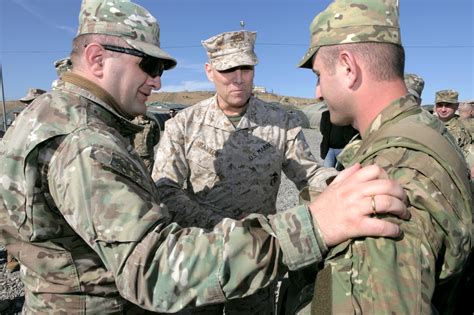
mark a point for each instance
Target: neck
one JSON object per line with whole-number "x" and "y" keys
{"x": 373, "y": 99}
{"x": 231, "y": 110}
{"x": 86, "y": 83}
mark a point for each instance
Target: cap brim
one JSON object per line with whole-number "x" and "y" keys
{"x": 233, "y": 60}
{"x": 307, "y": 60}
{"x": 26, "y": 99}
{"x": 446, "y": 101}
{"x": 154, "y": 51}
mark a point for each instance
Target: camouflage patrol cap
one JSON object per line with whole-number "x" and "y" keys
{"x": 62, "y": 65}
{"x": 353, "y": 21}
{"x": 127, "y": 20}
{"x": 415, "y": 84}
{"x": 231, "y": 49}
{"x": 31, "y": 95}
{"x": 447, "y": 96}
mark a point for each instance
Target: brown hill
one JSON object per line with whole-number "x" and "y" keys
{"x": 183, "y": 98}
{"x": 190, "y": 98}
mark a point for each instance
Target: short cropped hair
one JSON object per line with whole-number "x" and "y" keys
{"x": 386, "y": 61}
{"x": 81, "y": 41}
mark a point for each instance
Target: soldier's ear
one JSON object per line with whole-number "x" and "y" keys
{"x": 348, "y": 66}
{"x": 209, "y": 73}
{"x": 94, "y": 56}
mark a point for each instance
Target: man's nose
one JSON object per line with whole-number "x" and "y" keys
{"x": 319, "y": 96}
{"x": 238, "y": 76}
{"x": 155, "y": 82}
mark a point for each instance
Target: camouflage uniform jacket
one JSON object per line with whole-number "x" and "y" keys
{"x": 80, "y": 212}
{"x": 380, "y": 275}
{"x": 145, "y": 141}
{"x": 459, "y": 131}
{"x": 229, "y": 171}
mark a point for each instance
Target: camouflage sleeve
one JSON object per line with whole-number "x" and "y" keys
{"x": 300, "y": 166}
{"x": 100, "y": 191}
{"x": 400, "y": 276}
{"x": 170, "y": 174}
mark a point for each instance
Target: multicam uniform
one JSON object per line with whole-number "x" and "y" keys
{"x": 231, "y": 171}
{"x": 469, "y": 149}
{"x": 80, "y": 212}
{"x": 145, "y": 141}
{"x": 379, "y": 275}
{"x": 459, "y": 131}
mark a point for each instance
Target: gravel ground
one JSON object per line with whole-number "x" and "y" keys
{"x": 288, "y": 194}
{"x": 11, "y": 289}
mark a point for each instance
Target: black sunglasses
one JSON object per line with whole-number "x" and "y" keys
{"x": 152, "y": 66}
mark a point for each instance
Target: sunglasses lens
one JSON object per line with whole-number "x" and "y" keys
{"x": 152, "y": 66}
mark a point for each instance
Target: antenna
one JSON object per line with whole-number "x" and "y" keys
{"x": 242, "y": 25}
{"x": 3, "y": 101}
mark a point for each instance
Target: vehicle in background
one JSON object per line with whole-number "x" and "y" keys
{"x": 162, "y": 111}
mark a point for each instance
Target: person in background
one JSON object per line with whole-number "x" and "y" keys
{"x": 466, "y": 115}
{"x": 145, "y": 140}
{"x": 12, "y": 264}
{"x": 446, "y": 106}
{"x": 172, "y": 112}
{"x": 32, "y": 94}
{"x": 415, "y": 85}
{"x": 81, "y": 213}
{"x": 466, "y": 110}
{"x": 357, "y": 55}
{"x": 62, "y": 65}
{"x": 334, "y": 139}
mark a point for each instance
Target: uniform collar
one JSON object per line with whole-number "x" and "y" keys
{"x": 108, "y": 106}
{"x": 396, "y": 108}
{"x": 215, "y": 116}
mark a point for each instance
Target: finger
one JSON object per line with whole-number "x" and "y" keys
{"x": 382, "y": 187}
{"x": 346, "y": 173}
{"x": 377, "y": 227}
{"x": 392, "y": 205}
{"x": 365, "y": 173}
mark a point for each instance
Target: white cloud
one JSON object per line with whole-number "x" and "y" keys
{"x": 188, "y": 86}
{"x": 35, "y": 11}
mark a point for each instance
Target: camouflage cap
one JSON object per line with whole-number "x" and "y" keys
{"x": 447, "y": 96}
{"x": 127, "y": 20}
{"x": 231, "y": 49}
{"x": 62, "y": 65}
{"x": 415, "y": 84}
{"x": 353, "y": 21}
{"x": 31, "y": 95}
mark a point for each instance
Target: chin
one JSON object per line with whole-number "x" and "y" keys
{"x": 138, "y": 109}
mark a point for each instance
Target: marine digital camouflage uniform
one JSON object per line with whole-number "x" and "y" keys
{"x": 400, "y": 276}
{"x": 84, "y": 220}
{"x": 227, "y": 171}
{"x": 145, "y": 140}
{"x": 231, "y": 49}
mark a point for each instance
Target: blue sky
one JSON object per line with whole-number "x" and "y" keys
{"x": 438, "y": 36}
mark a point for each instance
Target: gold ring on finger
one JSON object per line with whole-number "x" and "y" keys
{"x": 374, "y": 209}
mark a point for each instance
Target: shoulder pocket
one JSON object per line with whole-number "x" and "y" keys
{"x": 124, "y": 166}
